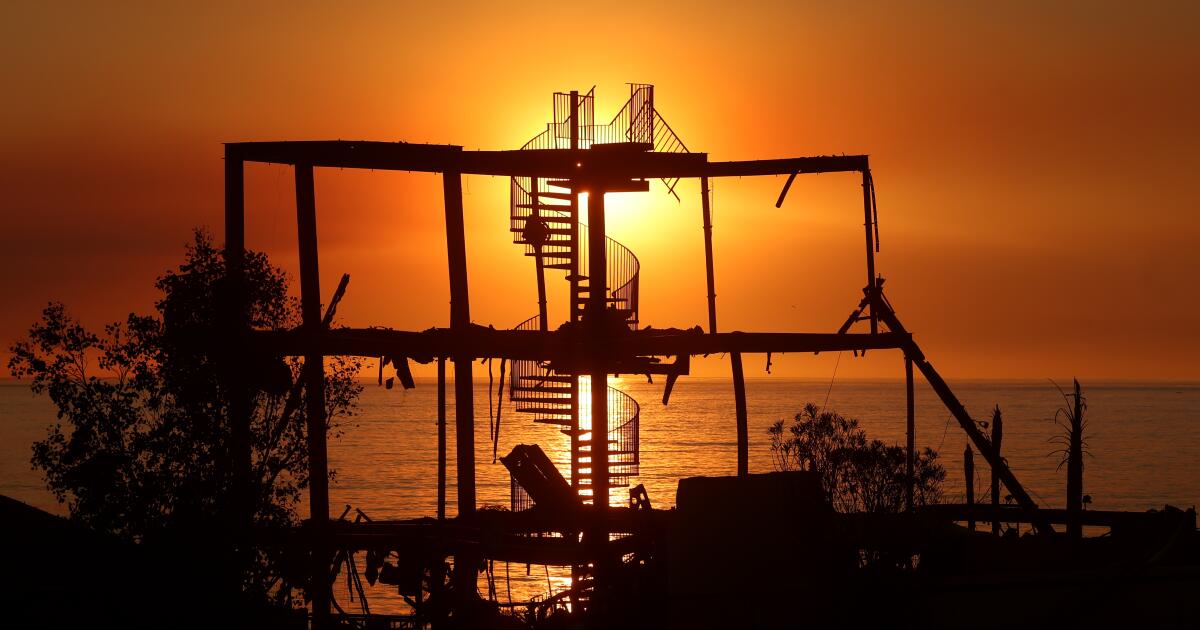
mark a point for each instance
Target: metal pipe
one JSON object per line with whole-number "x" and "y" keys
{"x": 867, "y": 226}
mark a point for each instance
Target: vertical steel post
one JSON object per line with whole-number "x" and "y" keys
{"x": 997, "y": 440}
{"x": 235, "y": 325}
{"x": 464, "y": 404}
{"x": 739, "y": 402}
{"x": 708, "y": 255}
{"x": 539, "y": 261}
{"x": 575, "y": 309}
{"x": 460, "y": 322}
{"x": 735, "y": 358}
{"x": 910, "y": 435}
{"x": 596, "y": 315}
{"x": 969, "y": 471}
{"x": 441, "y": 427}
{"x": 234, "y": 313}
{"x": 314, "y": 392}
{"x": 574, "y": 119}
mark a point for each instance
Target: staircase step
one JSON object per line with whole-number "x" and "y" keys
{"x": 562, "y": 421}
{"x": 556, "y": 410}
{"x": 545, "y": 206}
{"x": 613, "y": 483}
{"x": 548, "y": 219}
{"x": 560, "y": 183}
{"x": 543, "y": 389}
{"x": 563, "y": 237}
{"x": 542, "y": 399}
{"x": 534, "y": 254}
{"x": 611, "y": 473}
{"x": 556, "y": 195}
{"x": 550, "y": 378}
{"x": 576, "y": 276}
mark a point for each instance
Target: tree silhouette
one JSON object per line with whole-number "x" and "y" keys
{"x": 857, "y": 474}
{"x": 141, "y": 446}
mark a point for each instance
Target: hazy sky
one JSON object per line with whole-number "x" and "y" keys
{"x": 1035, "y": 167}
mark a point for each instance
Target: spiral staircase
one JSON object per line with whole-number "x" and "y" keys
{"x": 544, "y": 217}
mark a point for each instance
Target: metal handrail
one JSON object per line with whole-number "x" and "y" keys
{"x": 623, "y": 430}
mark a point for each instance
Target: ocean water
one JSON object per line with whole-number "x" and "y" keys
{"x": 1144, "y": 441}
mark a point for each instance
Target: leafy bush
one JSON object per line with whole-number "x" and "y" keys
{"x": 142, "y": 449}
{"x": 857, "y": 474}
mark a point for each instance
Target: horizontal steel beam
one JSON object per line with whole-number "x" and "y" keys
{"x": 604, "y": 162}
{"x": 558, "y": 345}
{"x": 788, "y": 166}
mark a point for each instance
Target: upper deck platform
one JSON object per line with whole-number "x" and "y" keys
{"x": 618, "y": 162}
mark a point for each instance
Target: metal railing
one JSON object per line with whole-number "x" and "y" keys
{"x": 554, "y": 214}
{"x": 666, "y": 141}
{"x": 634, "y": 122}
{"x": 531, "y": 382}
{"x": 624, "y": 419}
{"x": 623, "y": 270}
{"x": 518, "y": 499}
{"x": 621, "y": 274}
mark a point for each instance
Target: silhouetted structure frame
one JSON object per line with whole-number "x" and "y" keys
{"x": 604, "y": 168}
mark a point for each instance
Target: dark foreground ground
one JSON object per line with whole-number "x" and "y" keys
{"x": 737, "y": 558}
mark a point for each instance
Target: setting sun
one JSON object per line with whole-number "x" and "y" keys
{"x": 543, "y": 316}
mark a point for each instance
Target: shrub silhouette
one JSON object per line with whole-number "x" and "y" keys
{"x": 142, "y": 447}
{"x": 857, "y": 474}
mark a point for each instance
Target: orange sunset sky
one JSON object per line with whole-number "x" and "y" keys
{"x": 1035, "y": 166}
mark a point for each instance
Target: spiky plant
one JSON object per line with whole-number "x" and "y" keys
{"x": 1072, "y": 447}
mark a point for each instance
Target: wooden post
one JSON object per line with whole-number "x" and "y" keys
{"x": 969, "y": 470}
{"x": 735, "y": 358}
{"x": 441, "y": 425}
{"x": 997, "y": 438}
{"x": 314, "y": 393}
{"x": 910, "y": 435}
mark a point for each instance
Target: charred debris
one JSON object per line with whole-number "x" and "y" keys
{"x": 740, "y": 550}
